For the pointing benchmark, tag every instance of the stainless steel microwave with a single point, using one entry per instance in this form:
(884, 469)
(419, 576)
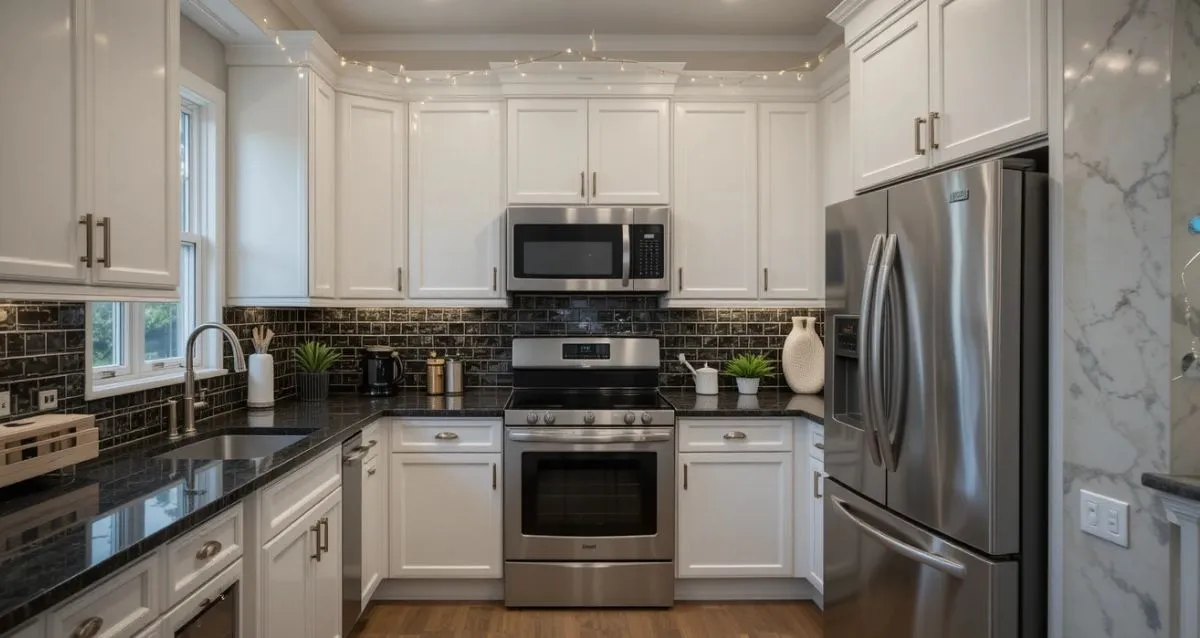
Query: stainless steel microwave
(589, 249)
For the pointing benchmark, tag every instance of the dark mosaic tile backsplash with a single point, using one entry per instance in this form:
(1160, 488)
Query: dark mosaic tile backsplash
(42, 347)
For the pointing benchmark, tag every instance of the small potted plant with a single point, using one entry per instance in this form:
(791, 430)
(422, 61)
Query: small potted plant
(749, 369)
(314, 360)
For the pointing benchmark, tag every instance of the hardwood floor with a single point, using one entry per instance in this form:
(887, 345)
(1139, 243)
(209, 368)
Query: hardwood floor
(685, 620)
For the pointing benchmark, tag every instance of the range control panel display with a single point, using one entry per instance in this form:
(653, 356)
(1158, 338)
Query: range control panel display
(586, 351)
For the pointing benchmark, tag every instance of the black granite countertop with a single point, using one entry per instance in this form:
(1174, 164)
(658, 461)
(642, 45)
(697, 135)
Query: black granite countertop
(60, 536)
(765, 403)
(1181, 485)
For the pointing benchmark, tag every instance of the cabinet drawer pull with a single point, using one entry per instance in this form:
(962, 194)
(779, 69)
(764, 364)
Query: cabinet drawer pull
(446, 436)
(933, 120)
(323, 536)
(820, 445)
(316, 528)
(371, 472)
(88, 628)
(107, 225)
(917, 122)
(685, 476)
(208, 550)
(817, 484)
(735, 436)
(88, 238)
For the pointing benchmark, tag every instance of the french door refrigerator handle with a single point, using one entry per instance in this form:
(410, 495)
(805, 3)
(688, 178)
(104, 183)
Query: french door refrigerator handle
(864, 346)
(875, 354)
(929, 559)
(893, 430)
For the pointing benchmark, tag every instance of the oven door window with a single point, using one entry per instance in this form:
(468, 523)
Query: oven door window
(589, 494)
(218, 620)
(553, 251)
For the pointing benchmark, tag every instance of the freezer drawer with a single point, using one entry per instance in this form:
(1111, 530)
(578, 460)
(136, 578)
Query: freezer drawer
(887, 578)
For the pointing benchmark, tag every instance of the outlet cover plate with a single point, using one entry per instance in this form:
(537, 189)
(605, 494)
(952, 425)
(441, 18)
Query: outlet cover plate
(1104, 517)
(47, 400)
(5, 403)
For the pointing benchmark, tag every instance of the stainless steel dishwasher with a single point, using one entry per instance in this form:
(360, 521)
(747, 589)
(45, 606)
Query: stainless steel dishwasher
(354, 453)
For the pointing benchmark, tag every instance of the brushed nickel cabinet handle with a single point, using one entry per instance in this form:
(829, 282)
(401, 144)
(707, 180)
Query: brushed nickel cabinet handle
(685, 465)
(594, 178)
(735, 436)
(680, 279)
(933, 120)
(316, 528)
(89, 237)
(766, 285)
(208, 550)
(494, 274)
(323, 536)
(493, 476)
(816, 484)
(88, 627)
(917, 122)
(582, 184)
(820, 445)
(400, 279)
(107, 225)
(371, 472)
(446, 436)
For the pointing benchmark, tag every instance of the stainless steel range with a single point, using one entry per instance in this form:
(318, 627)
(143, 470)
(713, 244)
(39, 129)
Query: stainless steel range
(589, 464)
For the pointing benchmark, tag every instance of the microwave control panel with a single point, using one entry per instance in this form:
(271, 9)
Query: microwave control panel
(647, 243)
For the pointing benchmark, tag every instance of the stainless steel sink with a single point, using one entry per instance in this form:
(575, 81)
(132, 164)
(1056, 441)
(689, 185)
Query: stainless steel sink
(233, 446)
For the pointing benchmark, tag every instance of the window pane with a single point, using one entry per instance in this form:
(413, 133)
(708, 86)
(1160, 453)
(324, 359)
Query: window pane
(163, 340)
(185, 170)
(106, 334)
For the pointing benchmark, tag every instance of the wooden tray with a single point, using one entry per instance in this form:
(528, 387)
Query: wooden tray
(37, 445)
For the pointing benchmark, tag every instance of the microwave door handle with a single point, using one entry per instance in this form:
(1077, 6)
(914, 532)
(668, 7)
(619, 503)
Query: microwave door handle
(625, 256)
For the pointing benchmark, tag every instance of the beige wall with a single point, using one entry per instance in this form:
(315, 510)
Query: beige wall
(201, 53)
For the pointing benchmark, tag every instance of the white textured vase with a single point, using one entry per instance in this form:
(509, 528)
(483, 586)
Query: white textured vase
(803, 359)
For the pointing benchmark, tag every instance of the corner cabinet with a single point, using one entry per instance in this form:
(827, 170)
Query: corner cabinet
(282, 195)
(603, 152)
(456, 200)
(93, 132)
(915, 77)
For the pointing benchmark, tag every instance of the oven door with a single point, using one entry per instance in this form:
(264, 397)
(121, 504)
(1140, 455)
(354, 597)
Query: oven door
(569, 249)
(592, 494)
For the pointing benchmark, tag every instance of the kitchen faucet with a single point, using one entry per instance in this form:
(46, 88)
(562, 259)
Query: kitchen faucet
(189, 380)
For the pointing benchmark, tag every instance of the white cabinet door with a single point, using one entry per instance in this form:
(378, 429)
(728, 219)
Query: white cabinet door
(629, 151)
(791, 220)
(816, 533)
(41, 195)
(135, 145)
(889, 79)
(446, 514)
(286, 568)
(715, 222)
(547, 151)
(735, 515)
(374, 525)
(370, 193)
(456, 200)
(837, 165)
(325, 588)
(322, 156)
(1003, 41)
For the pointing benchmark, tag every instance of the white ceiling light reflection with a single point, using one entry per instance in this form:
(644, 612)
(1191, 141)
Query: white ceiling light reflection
(1148, 66)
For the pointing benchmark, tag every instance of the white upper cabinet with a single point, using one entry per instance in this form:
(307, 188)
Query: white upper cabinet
(282, 195)
(456, 200)
(837, 164)
(938, 81)
(791, 219)
(1002, 41)
(94, 130)
(547, 151)
(629, 144)
(715, 222)
(371, 217)
(889, 82)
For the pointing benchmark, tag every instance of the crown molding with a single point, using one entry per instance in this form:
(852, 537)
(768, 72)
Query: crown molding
(860, 17)
(846, 10)
(308, 15)
(223, 20)
(608, 43)
(295, 48)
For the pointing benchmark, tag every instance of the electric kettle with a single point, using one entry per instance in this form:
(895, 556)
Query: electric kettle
(382, 372)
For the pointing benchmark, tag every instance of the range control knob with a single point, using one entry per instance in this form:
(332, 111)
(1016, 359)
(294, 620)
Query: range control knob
(589, 418)
(646, 418)
(630, 418)
(531, 418)
(548, 418)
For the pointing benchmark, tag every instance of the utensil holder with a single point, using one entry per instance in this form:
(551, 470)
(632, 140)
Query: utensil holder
(261, 393)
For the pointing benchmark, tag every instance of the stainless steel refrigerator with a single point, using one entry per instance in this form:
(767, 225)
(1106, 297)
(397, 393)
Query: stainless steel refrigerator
(935, 414)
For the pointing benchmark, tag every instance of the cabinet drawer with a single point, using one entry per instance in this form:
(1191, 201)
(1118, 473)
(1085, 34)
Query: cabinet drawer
(816, 440)
(447, 435)
(121, 606)
(735, 435)
(203, 553)
(285, 500)
(372, 440)
(35, 629)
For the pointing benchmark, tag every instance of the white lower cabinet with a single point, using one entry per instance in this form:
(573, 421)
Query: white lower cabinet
(735, 515)
(119, 607)
(301, 576)
(446, 515)
(374, 525)
(816, 530)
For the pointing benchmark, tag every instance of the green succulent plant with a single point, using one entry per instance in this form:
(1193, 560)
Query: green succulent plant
(749, 366)
(313, 356)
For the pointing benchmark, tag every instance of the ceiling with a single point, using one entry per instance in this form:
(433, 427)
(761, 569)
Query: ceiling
(634, 17)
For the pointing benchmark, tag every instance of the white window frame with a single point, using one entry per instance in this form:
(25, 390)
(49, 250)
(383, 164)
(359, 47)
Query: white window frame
(206, 104)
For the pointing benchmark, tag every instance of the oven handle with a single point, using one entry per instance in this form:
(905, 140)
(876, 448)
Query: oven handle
(626, 258)
(568, 437)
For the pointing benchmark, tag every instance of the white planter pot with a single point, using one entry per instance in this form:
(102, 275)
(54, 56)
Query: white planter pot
(747, 386)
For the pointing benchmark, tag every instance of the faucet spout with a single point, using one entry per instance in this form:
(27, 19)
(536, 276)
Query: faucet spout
(189, 376)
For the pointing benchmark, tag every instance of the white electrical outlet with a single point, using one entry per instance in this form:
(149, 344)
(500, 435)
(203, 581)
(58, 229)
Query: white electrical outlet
(47, 400)
(1104, 517)
(5, 403)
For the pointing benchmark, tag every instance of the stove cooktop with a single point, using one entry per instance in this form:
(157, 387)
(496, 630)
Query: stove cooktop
(573, 407)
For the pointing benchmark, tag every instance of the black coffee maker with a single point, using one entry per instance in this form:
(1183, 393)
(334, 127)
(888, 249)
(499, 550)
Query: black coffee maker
(382, 372)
